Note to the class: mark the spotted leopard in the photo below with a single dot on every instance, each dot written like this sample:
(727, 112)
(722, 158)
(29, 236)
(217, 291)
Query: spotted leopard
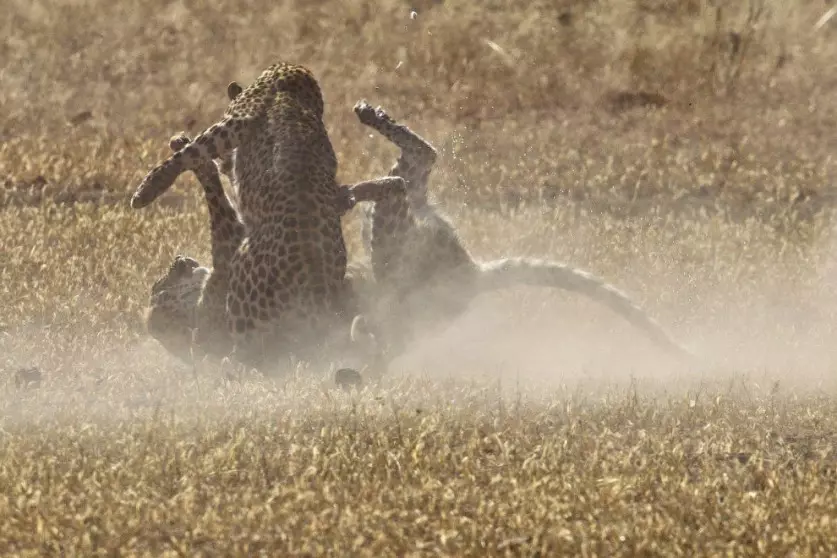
(286, 278)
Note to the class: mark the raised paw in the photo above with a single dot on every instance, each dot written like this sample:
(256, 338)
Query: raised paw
(369, 116)
(364, 111)
(179, 141)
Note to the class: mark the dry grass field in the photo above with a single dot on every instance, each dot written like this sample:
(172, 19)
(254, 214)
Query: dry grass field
(681, 149)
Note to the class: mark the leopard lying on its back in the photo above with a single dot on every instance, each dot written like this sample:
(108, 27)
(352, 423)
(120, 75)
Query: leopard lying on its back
(423, 271)
(285, 286)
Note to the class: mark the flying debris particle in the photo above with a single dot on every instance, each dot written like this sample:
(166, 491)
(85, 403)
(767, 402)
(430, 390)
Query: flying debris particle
(507, 58)
(820, 22)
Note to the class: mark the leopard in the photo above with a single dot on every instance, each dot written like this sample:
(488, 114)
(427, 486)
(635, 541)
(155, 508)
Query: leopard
(186, 310)
(285, 284)
(424, 273)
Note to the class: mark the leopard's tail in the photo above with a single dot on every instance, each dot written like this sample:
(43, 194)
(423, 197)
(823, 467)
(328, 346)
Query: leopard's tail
(216, 141)
(515, 271)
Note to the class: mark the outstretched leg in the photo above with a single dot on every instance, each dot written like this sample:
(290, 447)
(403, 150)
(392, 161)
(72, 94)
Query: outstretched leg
(215, 142)
(384, 225)
(417, 156)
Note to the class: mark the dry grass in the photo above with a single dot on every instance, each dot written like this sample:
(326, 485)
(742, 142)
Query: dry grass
(682, 151)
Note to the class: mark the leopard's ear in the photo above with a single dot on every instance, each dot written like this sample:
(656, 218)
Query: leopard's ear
(234, 90)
